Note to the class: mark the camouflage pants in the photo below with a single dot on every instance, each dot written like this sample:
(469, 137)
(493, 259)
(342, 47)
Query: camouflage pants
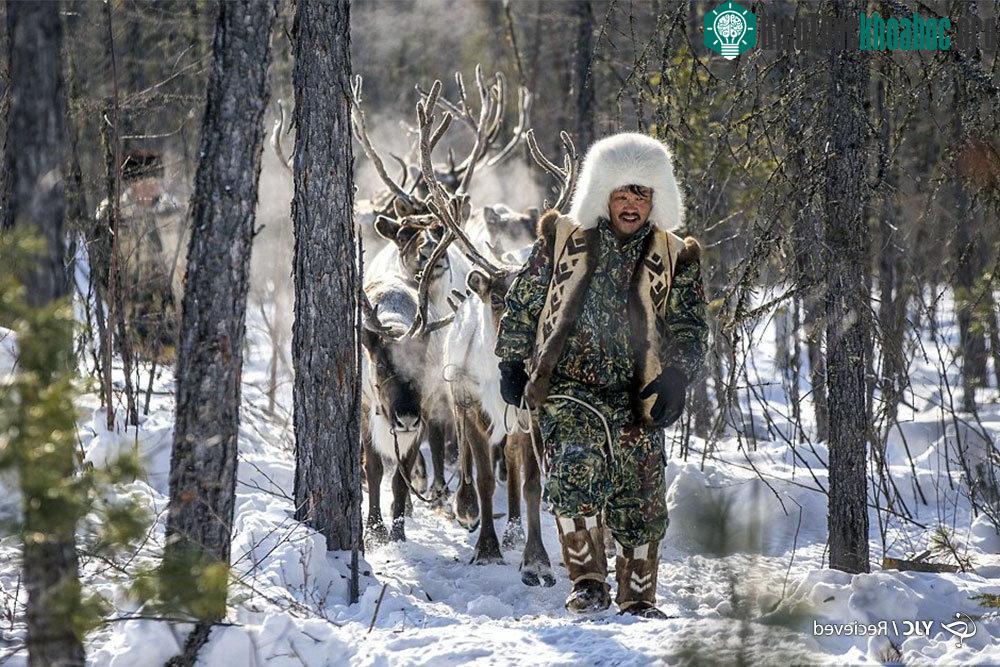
(581, 481)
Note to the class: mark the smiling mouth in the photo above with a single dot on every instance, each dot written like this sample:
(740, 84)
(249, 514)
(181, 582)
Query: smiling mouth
(631, 218)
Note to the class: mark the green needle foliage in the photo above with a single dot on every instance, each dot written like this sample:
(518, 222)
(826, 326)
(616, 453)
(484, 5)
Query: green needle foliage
(38, 442)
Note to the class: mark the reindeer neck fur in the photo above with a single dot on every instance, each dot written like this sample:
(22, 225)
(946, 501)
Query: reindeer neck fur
(382, 437)
(471, 367)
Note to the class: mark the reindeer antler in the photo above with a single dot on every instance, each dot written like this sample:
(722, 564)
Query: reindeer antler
(452, 208)
(361, 134)
(524, 100)
(421, 325)
(496, 93)
(370, 318)
(566, 175)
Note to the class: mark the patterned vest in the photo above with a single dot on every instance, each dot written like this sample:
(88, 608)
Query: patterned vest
(574, 259)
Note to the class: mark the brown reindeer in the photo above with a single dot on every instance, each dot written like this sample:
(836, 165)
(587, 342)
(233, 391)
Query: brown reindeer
(480, 415)
(393, 374)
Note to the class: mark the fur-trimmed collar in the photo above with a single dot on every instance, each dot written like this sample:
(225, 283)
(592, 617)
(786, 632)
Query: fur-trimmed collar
(623, 159)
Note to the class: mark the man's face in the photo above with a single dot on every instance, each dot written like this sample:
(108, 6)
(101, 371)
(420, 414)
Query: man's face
(629, 207)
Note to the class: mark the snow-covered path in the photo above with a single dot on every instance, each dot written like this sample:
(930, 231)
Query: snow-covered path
(289, 603)
(742, 567)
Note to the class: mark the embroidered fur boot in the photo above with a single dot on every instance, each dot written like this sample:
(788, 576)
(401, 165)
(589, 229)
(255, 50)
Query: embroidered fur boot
(583, 553)
(635, 573)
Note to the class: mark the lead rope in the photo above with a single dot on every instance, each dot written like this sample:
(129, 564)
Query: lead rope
(524, 414)
(404, 472)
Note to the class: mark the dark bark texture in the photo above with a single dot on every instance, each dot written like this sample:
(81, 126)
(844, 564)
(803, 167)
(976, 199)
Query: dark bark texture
(892, 292)
(6, 220)
(37, 124)
(325, 347)
(37, 127)
(210, 357)
(847, 318)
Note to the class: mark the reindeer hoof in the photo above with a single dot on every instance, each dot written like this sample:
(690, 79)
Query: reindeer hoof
(466, 506)
(513, 535)
(398, 532)
(487, 556)
(376, 536)
(537, 575)
(439, 494)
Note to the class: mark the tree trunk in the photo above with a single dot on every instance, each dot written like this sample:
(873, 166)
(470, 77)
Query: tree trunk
(325, 345)
(210, 357)
(847, 301)
(993, 313)
(114, 286)
(37, 202)
(583, 79)
(6, 178)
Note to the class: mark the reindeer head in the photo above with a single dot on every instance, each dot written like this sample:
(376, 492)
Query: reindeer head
(508, 229)
(396, 360)
(492, 290)
(415, 237)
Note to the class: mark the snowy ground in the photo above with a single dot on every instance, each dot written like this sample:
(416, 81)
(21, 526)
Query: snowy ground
(742, 566)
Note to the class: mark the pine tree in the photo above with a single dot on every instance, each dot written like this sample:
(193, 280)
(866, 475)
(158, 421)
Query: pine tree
(847, 299)
(325, 352)
(210, 356)
(43, 423)
(583, 76)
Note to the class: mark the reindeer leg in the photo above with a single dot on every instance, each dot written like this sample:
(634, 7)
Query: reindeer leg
(400, 496)
(500, 459)
(487, 546)
(535, 566)
(466, 504)
(418, 478)
(450, 442)
(436, 440)
(513, 533)
(375, 532)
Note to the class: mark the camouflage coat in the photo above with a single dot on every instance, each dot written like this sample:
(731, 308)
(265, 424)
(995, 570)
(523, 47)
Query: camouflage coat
(598, 354)
(597, 364)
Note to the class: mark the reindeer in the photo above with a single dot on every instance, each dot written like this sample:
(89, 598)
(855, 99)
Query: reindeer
(393, 374)
(409, 256)
(480, 415)
(406, 195)
(473, 381)
(419, 250)
(503, 232)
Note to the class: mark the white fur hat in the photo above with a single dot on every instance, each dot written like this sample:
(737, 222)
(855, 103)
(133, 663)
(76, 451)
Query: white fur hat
(623, 159)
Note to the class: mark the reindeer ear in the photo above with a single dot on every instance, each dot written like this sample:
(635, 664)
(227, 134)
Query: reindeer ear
(405, 233)
(479, 283)
(387, 227)
(402, 209)
(491, 216)
(436, 230)
(369, 340)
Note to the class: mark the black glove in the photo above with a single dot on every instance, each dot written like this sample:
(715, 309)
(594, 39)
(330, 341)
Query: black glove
(669, 387)
(513, 378)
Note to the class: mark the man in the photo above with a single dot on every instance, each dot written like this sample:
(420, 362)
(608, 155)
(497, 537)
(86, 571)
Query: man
(608, 310)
